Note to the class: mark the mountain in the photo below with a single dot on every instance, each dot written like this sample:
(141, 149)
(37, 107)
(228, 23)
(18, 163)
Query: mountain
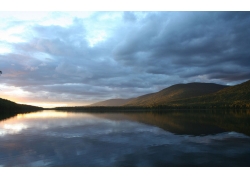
(112, 102)
(6, 105)
(180, 96)
(234, 96)
(175, 92)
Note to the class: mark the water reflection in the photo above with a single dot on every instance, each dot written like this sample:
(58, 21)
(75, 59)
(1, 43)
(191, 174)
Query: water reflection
(191, 122)
(51, 138)
(45, 114)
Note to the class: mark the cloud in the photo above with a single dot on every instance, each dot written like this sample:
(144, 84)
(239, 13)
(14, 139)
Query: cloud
(96, 56)
(129, 16)
(187, 39)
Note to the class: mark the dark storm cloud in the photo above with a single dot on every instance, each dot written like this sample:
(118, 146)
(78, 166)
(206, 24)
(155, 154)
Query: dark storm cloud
(142, 53)
(58, 60)
(166, 42)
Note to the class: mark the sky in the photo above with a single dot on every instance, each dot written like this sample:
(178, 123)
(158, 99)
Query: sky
(70, 58)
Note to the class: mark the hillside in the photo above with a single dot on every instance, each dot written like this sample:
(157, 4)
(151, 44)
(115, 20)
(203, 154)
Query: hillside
(112, 102)
(181, 96)
(6, 105)
(175, 92)
(234, 96)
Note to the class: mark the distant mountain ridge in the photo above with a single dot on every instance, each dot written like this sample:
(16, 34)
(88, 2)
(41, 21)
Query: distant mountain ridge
(172, 93)
(112, 102)
(182, 96)
(175, 92)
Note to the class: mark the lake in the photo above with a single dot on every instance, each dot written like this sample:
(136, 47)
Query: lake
(174, 138)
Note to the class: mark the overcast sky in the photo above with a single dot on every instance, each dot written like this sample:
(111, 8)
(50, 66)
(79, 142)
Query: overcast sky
(77, 58)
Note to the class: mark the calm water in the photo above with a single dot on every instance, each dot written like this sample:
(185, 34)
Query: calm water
(54, 138)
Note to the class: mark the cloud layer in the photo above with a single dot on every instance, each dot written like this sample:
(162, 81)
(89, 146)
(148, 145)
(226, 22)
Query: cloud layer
(80, 58)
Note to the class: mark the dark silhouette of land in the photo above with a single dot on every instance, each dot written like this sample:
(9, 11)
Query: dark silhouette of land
(6, 105)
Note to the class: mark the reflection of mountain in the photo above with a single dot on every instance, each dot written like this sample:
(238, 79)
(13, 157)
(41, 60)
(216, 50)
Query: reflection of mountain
(7, 115)
(6, 105)
(188, 122)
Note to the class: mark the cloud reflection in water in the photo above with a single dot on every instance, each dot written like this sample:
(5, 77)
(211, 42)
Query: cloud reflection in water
(79, 139)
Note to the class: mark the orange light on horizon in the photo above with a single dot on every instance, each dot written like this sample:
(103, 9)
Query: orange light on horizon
(44, 114)
(14, 94)
(46, 105)
(26, 101)
(20, 96)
